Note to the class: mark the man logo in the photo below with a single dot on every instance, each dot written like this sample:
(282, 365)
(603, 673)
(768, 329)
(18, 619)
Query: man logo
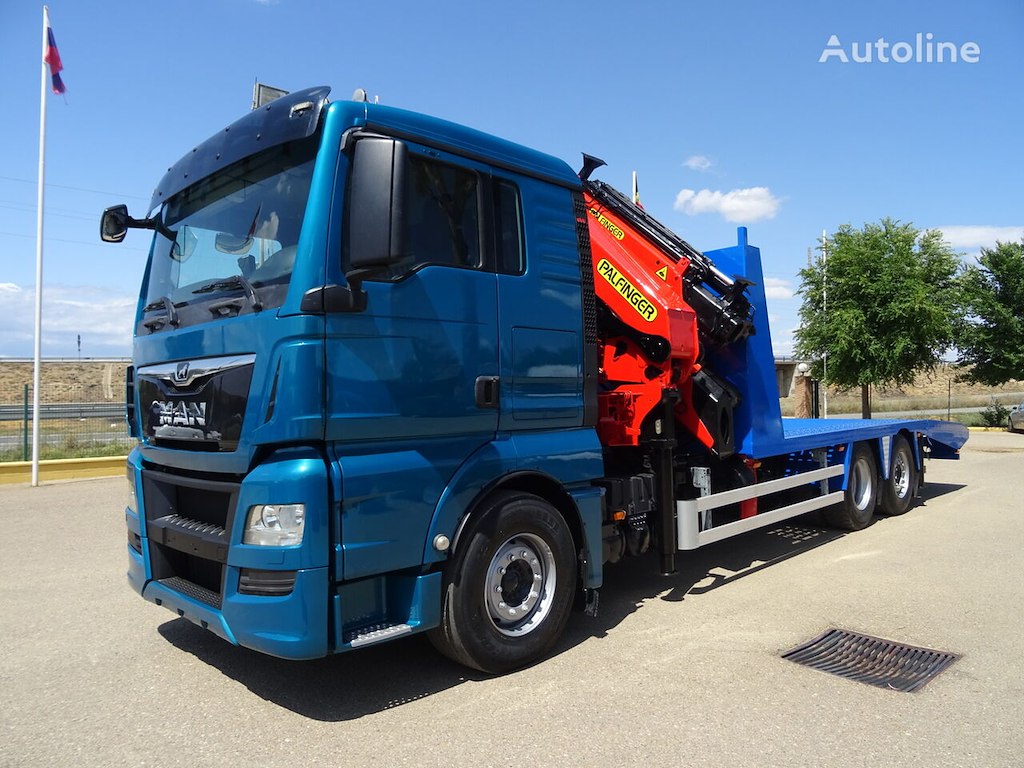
(181, 372)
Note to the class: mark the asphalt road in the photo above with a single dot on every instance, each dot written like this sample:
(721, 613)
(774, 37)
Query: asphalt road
(680, 671)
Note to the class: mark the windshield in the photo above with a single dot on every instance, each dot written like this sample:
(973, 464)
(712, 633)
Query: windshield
(226, 245)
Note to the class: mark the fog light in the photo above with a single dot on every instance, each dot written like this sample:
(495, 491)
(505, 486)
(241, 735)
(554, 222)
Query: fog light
(275, 525)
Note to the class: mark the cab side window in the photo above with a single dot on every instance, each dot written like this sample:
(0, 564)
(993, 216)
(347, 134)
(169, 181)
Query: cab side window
(457, 217)
(442, 217)
(508, 228)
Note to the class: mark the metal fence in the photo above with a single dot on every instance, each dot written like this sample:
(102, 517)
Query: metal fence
(66, 430)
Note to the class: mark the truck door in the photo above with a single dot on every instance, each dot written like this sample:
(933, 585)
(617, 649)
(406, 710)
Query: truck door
(411, 387)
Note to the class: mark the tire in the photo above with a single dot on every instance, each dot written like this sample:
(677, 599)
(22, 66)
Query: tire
(898, 491)
(509, 589)
(857, 510)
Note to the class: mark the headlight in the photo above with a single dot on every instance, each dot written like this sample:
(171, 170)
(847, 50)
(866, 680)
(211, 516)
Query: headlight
(133, 501)
(275, 525)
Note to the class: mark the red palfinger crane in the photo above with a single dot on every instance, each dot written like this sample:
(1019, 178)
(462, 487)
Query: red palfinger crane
(660, 302)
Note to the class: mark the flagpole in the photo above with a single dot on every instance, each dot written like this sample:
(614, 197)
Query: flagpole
(39, 257)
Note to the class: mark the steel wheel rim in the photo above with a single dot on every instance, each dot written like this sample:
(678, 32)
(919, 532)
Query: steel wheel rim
(901, 475)
(861, 484)
(520, 586)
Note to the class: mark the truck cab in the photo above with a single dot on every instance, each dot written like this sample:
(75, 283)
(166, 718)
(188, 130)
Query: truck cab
(356, 324)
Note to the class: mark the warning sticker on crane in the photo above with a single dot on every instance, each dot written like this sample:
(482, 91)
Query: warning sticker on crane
(629, 292)
(662, 273)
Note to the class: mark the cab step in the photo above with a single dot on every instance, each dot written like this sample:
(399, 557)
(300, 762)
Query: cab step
(376, 633)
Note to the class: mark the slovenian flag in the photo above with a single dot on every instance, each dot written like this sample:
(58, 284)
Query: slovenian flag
(52, 56)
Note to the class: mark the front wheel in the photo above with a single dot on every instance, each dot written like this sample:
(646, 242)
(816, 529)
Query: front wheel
(898, 491)
(857, 509)
(508, 590)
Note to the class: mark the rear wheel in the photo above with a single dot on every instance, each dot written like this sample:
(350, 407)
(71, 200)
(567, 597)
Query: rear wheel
(857, 509)
(508, 590)
(898, 490)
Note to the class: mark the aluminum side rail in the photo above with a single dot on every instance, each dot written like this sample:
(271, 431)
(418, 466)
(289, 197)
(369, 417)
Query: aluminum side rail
(688, 512)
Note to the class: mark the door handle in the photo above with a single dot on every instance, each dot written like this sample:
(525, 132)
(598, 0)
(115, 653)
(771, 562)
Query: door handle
(486, 391)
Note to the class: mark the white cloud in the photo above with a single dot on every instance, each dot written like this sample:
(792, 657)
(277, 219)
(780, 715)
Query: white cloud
(782, 338)
(737, 205)
(777, 288)
(104, 321)
(979, 236)
(698, 163)
(783, 347)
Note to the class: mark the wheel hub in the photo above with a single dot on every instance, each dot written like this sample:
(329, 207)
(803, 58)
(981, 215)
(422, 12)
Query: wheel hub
(900, 476)
(520, 584)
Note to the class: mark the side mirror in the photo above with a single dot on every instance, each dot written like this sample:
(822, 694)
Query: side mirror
(376, 199)
(114, 224)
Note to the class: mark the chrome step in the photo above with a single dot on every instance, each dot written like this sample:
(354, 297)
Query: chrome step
(376, 633)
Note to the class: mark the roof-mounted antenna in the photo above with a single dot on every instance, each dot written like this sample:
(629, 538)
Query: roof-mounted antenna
(590, 164)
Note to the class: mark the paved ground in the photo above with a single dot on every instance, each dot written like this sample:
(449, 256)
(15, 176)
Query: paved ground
(677, 672)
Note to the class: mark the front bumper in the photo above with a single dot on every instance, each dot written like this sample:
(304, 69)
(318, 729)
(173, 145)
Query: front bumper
(188, 557)
(293, 626)
(185, 552)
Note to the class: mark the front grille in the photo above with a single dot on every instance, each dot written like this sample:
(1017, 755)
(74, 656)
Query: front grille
(188, 522)
(195, 405)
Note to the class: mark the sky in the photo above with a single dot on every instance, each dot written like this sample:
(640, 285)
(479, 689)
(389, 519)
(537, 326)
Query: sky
(735, 113)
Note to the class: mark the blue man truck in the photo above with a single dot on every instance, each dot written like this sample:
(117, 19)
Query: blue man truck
(393, 375)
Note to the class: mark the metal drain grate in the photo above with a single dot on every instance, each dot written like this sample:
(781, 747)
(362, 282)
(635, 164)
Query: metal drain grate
(871, 660)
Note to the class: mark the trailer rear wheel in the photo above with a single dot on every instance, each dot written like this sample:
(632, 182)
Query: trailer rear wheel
(857, 509)
(509, 589)
(898, 490)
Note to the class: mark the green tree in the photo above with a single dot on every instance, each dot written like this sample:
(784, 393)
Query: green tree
(990, 336)
(879, 306)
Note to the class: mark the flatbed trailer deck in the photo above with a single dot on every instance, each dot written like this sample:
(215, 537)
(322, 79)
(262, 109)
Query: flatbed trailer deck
(807, 434)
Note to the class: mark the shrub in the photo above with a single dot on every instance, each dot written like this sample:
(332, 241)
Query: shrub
(995, 415)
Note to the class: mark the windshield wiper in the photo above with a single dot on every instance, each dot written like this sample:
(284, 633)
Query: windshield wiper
(235, 281)
(171, 318)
